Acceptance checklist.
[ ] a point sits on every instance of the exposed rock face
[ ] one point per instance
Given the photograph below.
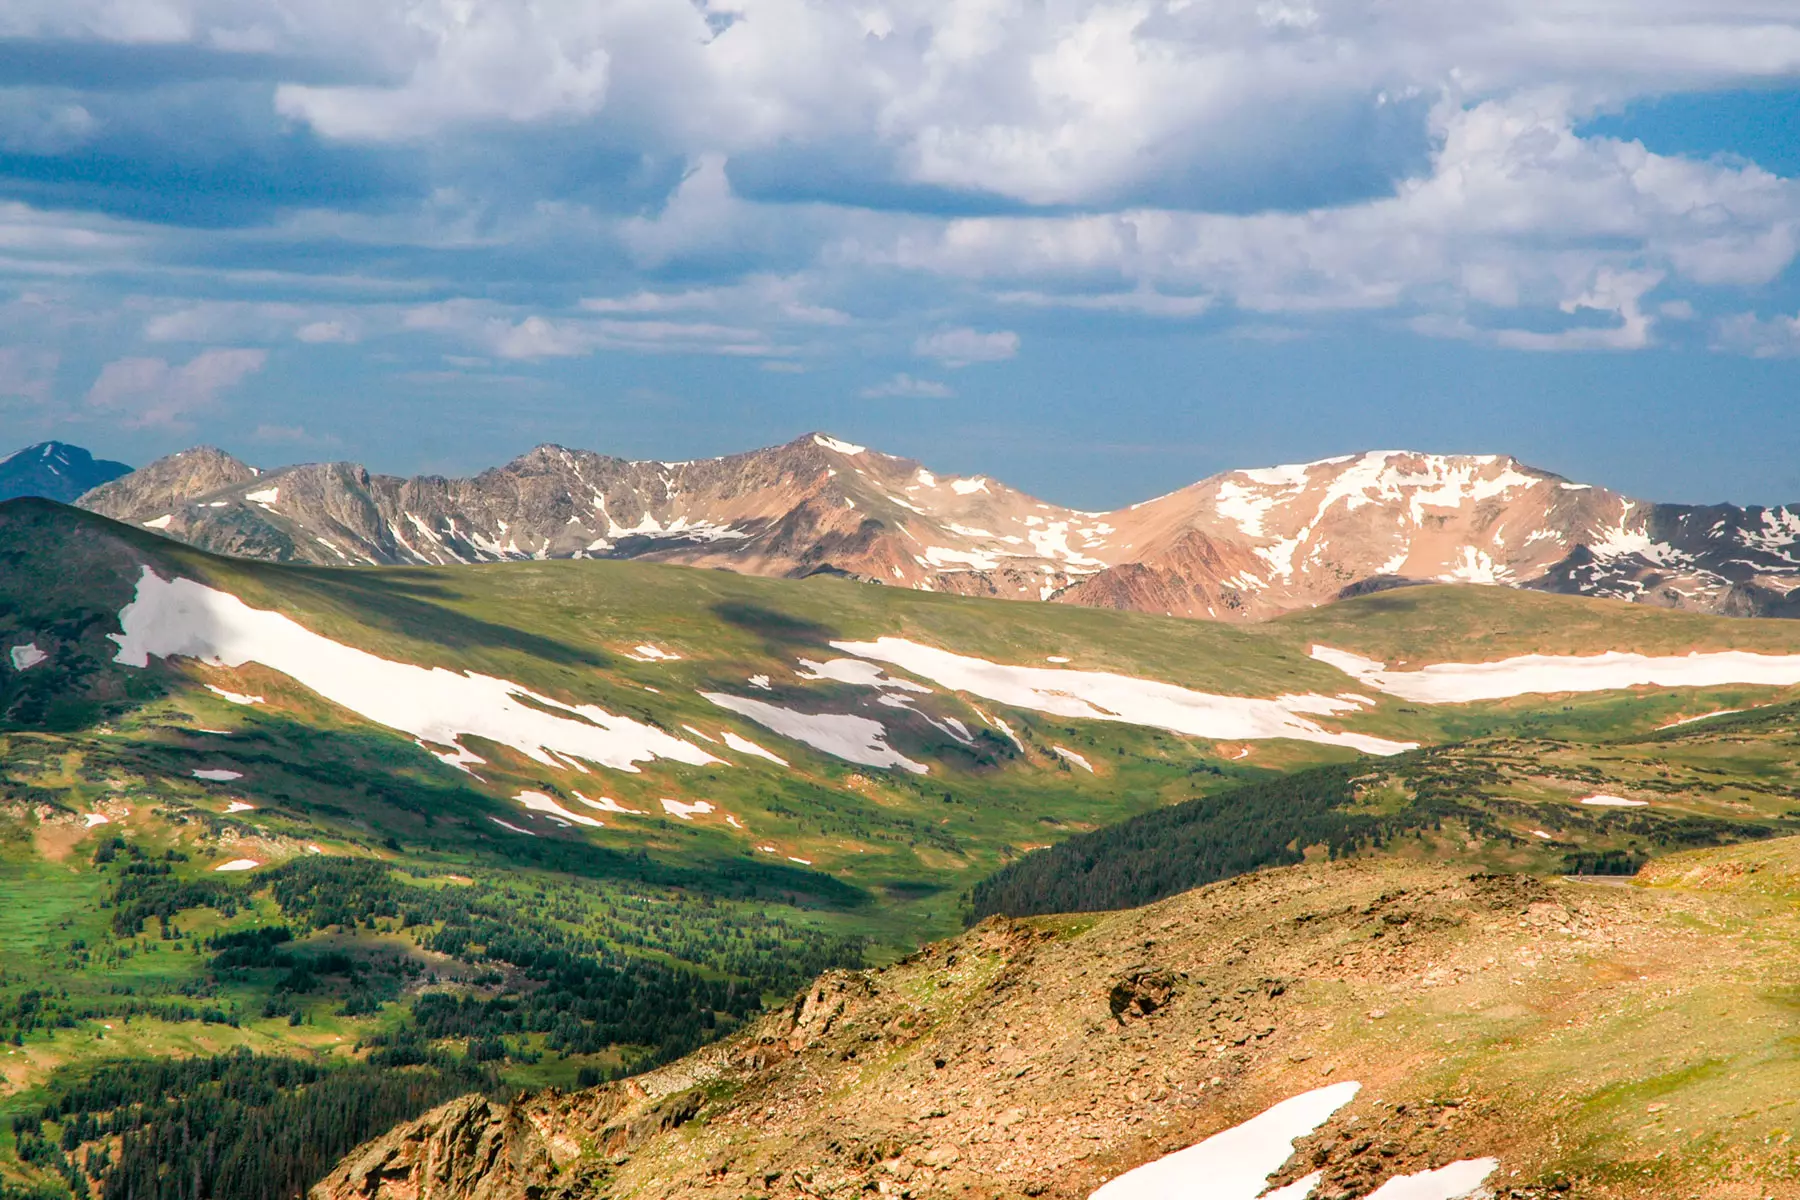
(167, 485)
(55, 471)
(1244, 545)
(815, 504)
(1483, 1015)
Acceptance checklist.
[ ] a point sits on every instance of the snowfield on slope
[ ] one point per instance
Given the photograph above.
(1530, 674)
(841, 735)
(182, 617)
(1103, 696)
(1236, 1164)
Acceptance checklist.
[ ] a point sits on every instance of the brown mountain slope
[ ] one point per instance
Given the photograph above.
(1241, 545)
(1599, 1041)
(815, 504)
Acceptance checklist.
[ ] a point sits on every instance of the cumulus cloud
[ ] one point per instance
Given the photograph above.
(471, 63)
(146, 392)
(1516, 212)
(766, 177)
(907, 386)
(961, 347)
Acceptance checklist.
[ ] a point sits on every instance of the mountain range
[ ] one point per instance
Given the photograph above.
(297, 856)
(1242, 545)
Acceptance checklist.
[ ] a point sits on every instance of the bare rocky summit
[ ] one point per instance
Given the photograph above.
(1244, 545)
(1564, 1028)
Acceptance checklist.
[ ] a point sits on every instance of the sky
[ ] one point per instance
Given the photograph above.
(1096, 248)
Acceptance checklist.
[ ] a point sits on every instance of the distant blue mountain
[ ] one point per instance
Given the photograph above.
(56, 471)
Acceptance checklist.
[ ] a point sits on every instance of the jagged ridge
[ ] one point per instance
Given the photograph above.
(1245, 544)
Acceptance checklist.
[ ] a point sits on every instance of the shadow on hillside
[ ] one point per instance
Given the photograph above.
(778, 630)
(420, 607)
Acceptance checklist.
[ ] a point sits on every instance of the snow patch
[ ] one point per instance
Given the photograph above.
(761, 681)
(181, 617)
(968, 487)
(975, 560)
(238, 806)
(744, 745)
(1461, 683)
(649, 653)
(161, 522)
(1723, 712)
(239, 864)
(841, 735)
(1474, 566)
(438, 706)
(234, 697)
(1605, 801)
(686, 812)
(1458, 1181)
(1235, 1164)
(857, 673)
(1003, 727)
(831, 443)
(265, 497)
(539, 802)
(218, 775)
(27, 656)
(1071, 756)
(607, 804)
(1104, 696)
(94, 819)
(1056, 658)
(511, 826)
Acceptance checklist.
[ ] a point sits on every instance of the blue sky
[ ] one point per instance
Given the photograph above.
(1098, 248)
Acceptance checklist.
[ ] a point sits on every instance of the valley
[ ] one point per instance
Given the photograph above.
(473, 829)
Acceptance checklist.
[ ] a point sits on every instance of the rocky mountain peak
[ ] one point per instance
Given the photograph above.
(1242, 544)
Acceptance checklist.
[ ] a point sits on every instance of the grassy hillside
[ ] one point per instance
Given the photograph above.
(406, 912)
(1505, 804)
(1601, 1041)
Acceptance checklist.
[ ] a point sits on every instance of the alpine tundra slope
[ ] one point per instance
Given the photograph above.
(300, 852)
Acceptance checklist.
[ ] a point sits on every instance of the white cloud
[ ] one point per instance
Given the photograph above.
(34, 122)
(472, 63)
(1117, 116)
(961, 347)
(150, 392)
(503, 334)
(27, 373)
(906, 385)
(1746, 333)
(783, 297)
(320, 332)
(1141, 301)
(1516, 212)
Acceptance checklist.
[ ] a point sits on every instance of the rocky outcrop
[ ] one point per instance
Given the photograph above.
(149, 493)
(1483, 1016)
